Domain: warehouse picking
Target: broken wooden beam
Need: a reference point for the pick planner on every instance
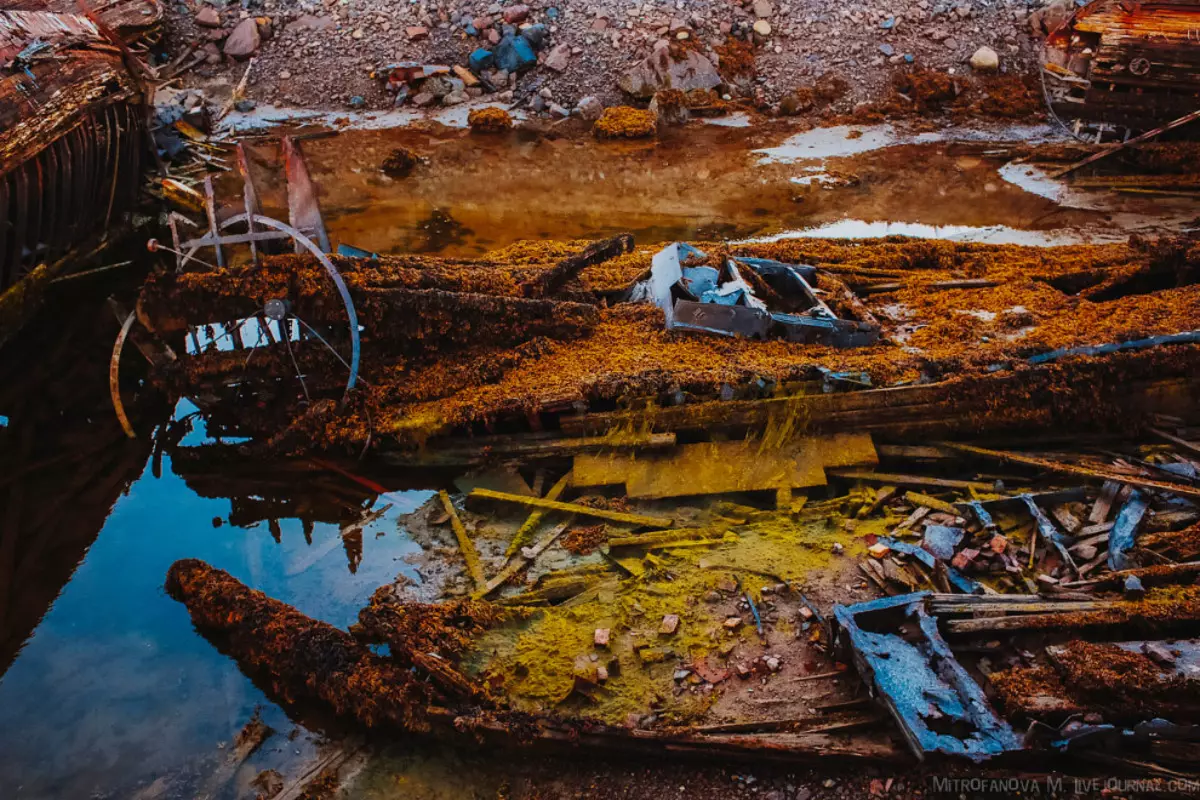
(1191, 447)
(465, 545)
(1164, 573)
(1075, 469)
(1116, 148)
(637, 520)
(521, 537)
(917, 481)
(553, 279)
(470, 452)
(660, 538)
(920, 500)
(518, 563)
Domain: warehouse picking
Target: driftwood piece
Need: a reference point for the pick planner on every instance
(300, 656)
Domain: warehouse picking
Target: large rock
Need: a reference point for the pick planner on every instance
(244, 41)
(660, 71)
(438, 86)
(514, 15)
(985, 60)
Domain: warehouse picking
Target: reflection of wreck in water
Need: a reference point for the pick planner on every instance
(64, 462)
(72, 130)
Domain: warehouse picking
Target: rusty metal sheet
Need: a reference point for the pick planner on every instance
(936, 703)
(19, 29)
(304, 211)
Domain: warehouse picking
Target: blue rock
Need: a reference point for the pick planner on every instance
(470, 30)
(535, 35)
(514, 54)
(909, 58)
(887, 49)
(552, 13)
(244, 106)
(358, 101)
(888, 23)
(480, 60)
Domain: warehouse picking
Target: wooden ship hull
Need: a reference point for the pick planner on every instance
(1117, 67)
(72, 127)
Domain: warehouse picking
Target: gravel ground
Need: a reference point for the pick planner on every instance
(328, 53)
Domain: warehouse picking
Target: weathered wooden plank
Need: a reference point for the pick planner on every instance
(639, 520)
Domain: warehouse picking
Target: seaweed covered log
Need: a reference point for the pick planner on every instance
(302, 658)
(422, 320)
(549, 282)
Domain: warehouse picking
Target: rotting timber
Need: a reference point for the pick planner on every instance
(1086, 337)
(72, 139)
(1116, 67)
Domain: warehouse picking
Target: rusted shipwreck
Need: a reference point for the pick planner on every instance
(805, 390)
(72, 137)
(1118, 67)
(455, 355)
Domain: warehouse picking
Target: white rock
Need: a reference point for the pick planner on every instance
(985, 60)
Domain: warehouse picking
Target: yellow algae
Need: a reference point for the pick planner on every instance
(549, 661)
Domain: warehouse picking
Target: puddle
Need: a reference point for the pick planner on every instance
(848, 140)
(104, 684)
(265, 118)
(993, 234)
(473, 193)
